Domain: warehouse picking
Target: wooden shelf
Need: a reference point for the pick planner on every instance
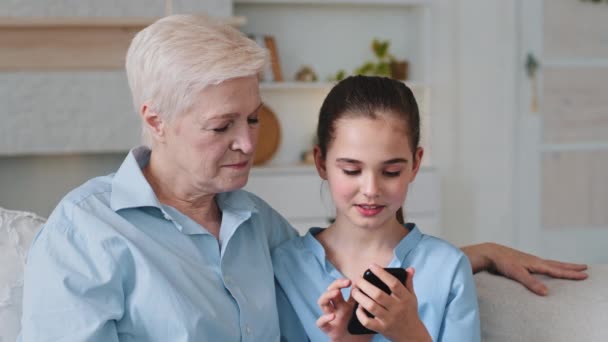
(71, 43)
(338, 2)
(55, 22)
(287, 86)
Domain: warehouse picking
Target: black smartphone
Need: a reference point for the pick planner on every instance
(354, 325)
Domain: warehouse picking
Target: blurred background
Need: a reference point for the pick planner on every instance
(515, 113)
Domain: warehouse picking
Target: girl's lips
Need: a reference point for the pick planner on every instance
(369, 210)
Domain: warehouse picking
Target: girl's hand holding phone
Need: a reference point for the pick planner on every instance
(395, 315)
(336, 313)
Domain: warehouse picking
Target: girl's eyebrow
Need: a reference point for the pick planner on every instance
(390, 161)
(396, 161)
(347, 160)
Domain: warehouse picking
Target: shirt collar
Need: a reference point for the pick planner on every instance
(403, 248)
(130, 189)
(408, 243)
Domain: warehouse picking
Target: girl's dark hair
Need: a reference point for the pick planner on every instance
(366, 96)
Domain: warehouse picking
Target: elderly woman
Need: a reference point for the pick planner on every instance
(169, 248)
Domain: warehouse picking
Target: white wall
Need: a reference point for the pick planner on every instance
(474, 106)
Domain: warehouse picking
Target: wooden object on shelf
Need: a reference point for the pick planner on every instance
(69, 43)
(399, 70)
(269, 136)
(275, 62)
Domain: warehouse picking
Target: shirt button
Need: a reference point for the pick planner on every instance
(227, 280)
(248, 330)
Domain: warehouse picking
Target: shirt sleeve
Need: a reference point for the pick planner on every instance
(289, 323)
(461, 320)
(276, 226)
(72, 289)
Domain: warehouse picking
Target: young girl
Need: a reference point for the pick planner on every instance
(369, 154)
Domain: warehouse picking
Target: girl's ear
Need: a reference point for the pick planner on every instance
(417, 162)
(320, 162)
(154, 123)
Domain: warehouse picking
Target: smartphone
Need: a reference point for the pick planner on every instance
(354, 325)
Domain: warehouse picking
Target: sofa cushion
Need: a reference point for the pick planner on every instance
(573, 310)
(17, 229)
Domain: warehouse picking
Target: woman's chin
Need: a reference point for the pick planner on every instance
(235, 183)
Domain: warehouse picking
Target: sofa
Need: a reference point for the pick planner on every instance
(573, 310)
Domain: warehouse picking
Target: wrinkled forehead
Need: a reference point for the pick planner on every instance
(239, 96)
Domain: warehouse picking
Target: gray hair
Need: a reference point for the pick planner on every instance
(172, 60)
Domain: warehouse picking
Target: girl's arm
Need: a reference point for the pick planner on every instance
(520, 266)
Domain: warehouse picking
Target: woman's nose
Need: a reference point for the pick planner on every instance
(244, 141)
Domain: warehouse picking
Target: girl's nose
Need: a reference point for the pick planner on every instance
(370, 187)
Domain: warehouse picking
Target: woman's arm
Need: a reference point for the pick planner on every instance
(520, 266)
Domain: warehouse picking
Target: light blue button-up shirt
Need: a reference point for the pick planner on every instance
(444, 285)
(114, 264)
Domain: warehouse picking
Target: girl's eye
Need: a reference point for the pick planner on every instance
(351, 172)
(392, 174)
(253, 121)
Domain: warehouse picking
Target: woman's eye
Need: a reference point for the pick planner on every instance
(351, 172)
(392, 173)
(253, 121)
(222, 129)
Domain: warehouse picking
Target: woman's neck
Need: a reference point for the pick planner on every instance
(352, 249)
(173, 191)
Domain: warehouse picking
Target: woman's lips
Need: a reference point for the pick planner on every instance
(237, 166)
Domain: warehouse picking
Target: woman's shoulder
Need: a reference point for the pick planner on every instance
(296, 251)
(292, 248)
(88, 201)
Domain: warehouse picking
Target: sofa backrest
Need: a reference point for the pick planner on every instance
(572, 311)
(17, 229)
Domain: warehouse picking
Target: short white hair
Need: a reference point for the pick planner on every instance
(172, 60)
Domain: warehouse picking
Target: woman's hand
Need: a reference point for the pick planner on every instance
(337, 312)
(520, 266)
(395, 315)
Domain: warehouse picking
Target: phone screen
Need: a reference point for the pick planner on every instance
(354, 325)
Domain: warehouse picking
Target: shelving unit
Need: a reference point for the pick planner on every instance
(320, 85)
(339, 2)
(70, 43)
(329, 35)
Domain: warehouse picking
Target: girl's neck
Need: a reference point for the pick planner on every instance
(352, 249)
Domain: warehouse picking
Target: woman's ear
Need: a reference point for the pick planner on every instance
(320, 163)
(153, 122)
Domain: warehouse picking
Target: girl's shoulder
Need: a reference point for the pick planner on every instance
(432, 247)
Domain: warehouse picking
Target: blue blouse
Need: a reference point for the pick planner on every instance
(114, 264)
(445, 289)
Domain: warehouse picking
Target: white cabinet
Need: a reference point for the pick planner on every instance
(299, 194)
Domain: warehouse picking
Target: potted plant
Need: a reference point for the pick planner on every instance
(385, 64)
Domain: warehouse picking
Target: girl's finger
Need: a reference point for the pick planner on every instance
(368, 304)
(324, 320)
(409, 282)
(325, 302)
